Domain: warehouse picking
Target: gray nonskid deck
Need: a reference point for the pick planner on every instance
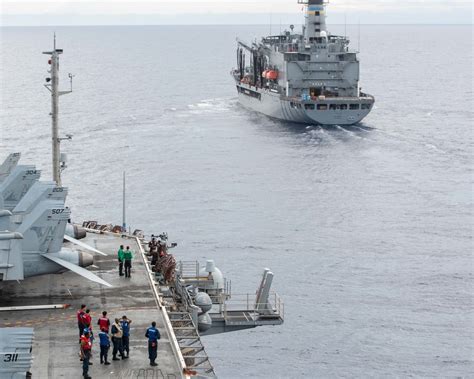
(56, 347)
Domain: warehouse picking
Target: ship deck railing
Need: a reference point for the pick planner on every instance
(335, 45)
(300, 48)
(189, 273)
(243, 309)
(185, 332)
(299, 99)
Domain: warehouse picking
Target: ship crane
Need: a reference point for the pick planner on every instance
(244, 45)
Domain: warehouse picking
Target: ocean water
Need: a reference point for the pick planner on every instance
(368, 228)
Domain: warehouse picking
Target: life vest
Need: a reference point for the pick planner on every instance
(153, 334)
(104, 323)
(125, 328)
(104, 339)
(80, 313)
(86, 319)
(86, 343)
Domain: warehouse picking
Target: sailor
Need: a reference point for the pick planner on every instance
(120, 259)
(153, 335)
(104, 346)
(152, 243)
(88, 324)
(117, 334)
(80, 322)
(125, 324)
(86, 346)
(161, 249)
(104, 322)
(127, 257)
(87, 318)
(153, 250)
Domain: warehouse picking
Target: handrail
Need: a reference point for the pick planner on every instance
(168, 326)
(186, 268)
(329, 98)
(246, 303)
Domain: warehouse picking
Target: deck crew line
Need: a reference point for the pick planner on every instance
(312, 77)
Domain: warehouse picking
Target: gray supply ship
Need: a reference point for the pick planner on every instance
(311, 78)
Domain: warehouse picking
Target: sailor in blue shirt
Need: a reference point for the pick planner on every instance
(125, 323)
(153, 335)
(104, 346)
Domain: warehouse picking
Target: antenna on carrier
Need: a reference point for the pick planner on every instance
(52, 85)
(124, 222)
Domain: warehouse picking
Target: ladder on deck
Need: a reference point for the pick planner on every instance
(189, 341)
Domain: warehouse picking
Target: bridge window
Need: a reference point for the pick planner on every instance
(354, 106)
(365, 106)
(334, 107)
(309, 106)
(344, 106)
(322, 107)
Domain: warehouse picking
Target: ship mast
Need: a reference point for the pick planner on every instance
(52, 84)
(124, 222)
(315, 19)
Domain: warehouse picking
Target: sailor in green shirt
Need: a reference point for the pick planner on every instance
(127, 257)
(120, 259)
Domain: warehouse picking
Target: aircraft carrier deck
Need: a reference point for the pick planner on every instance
(185, 300)
(56, 347)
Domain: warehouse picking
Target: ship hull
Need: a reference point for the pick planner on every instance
(274, 105)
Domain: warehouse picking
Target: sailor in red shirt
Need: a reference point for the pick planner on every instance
(80, 321)
(104, 322)
(87, 318)
(86, 346)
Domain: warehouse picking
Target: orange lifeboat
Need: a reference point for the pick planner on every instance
(272, 75)
(264, 73)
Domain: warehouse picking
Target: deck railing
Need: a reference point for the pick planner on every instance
(233, 308)
(190, 272)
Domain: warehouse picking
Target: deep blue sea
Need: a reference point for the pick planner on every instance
(368, 229)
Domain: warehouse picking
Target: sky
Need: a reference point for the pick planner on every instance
(150, 12)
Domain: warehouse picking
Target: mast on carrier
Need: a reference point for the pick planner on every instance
(52, 84)
(315, 19)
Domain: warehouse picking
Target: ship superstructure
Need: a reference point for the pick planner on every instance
(309, 77)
